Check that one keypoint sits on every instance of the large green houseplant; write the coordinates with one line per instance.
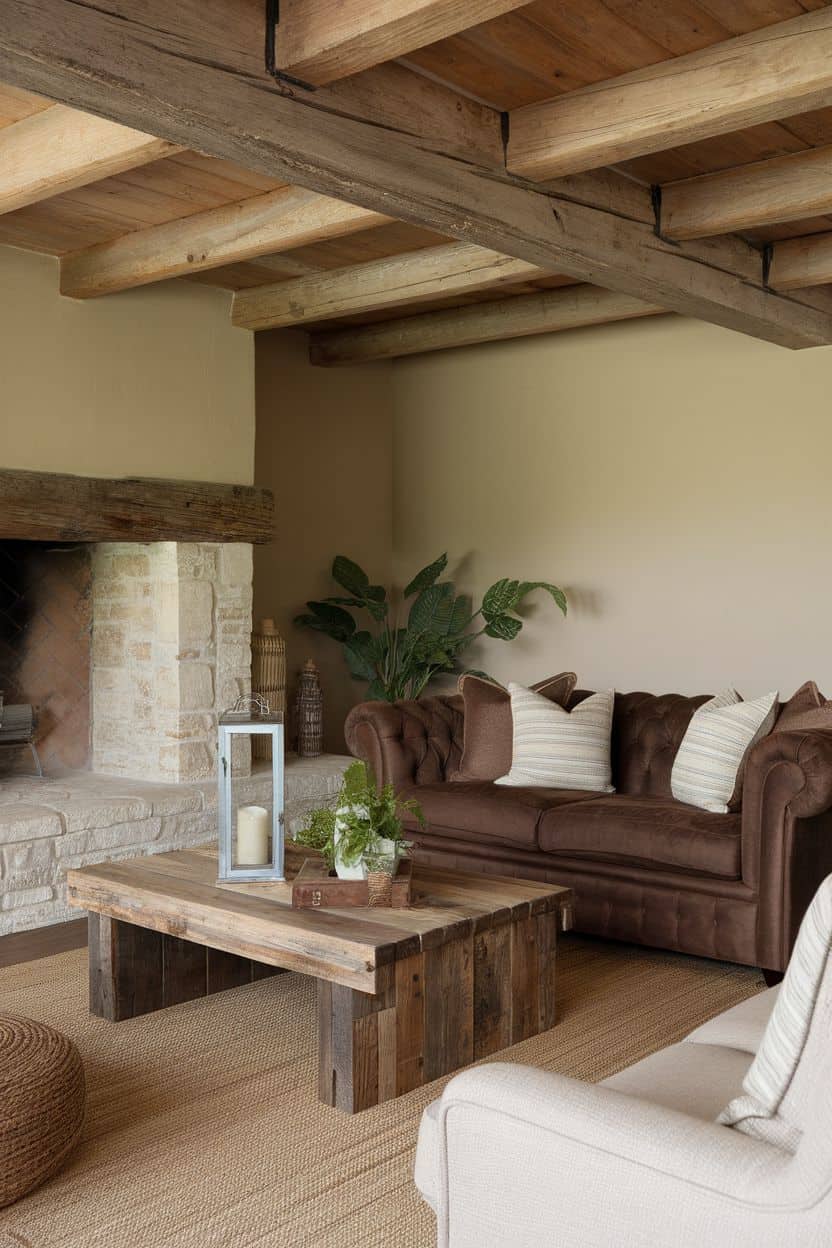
(406, 646)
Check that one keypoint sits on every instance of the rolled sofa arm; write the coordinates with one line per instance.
(406, 743)
(564, 1162)
(791, 768)
(374, 733)
(786, 833)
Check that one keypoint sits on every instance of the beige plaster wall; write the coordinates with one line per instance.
(152, 382)
(672, 476)
(324, 445)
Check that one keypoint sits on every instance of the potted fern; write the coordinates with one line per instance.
(363, 833)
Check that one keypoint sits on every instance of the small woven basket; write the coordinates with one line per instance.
(379, 888)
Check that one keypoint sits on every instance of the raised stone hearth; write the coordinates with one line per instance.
(48, 826)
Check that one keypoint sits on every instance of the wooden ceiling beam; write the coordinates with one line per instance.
(520, 316)
(319, 41)
(260, 226)
(784, 188)
(800, 262)
(175, 70)
(775, 72)
(393, 282)
(60, 148)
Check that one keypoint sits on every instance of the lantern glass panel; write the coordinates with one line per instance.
(250, 823)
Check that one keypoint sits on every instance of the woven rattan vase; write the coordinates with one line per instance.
(379, 888)
(42, 1099)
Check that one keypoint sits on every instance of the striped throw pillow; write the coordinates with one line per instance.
(781, 1087)
(714, 748)
(560, 749)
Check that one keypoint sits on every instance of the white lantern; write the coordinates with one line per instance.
(250, 834)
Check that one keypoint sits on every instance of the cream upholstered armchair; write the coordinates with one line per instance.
(516, 1157)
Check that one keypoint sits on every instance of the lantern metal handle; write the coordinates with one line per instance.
(245, 704)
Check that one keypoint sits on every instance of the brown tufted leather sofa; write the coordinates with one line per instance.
(644, 867)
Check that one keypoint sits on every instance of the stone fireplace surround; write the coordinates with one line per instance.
(170, 627)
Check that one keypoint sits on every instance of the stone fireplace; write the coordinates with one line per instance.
(125, 619)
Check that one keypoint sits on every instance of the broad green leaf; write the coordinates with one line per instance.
(432, 609)
(427, 576)
(360, 652)
(376, 607)
(526, 587)
(378, 692)
(505, 627)
(460, 614)
(350, 576)
(501, 597)
(334, 620)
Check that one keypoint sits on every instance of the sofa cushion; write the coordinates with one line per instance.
(708, 768)
(693, 1079)
(565, 749)
(645, 831)
(486, 752)
(807, 708)
(781, 1086)
(474, 810)
(741, 1027)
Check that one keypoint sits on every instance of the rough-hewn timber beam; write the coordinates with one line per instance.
(61, 148)
(801, 262)
(277, 221)
(516, 317)
(167, 71)
(779, 71)
(318, 41)
(394, 282)
(55, 507)
(784, 188)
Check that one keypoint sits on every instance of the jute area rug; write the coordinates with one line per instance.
(204, 1130)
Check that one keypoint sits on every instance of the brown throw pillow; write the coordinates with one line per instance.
(487, 747)
(807, 708)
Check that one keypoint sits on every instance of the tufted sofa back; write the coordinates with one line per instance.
(421, 741)
(647, 731)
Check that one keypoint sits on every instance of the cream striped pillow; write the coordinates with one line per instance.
(557, 748)
(781, 1084)
(714, 748)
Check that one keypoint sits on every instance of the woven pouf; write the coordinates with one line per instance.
(41, 1103)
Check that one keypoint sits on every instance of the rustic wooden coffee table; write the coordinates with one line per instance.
(404, 996)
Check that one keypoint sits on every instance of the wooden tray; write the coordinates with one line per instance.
(314, 888)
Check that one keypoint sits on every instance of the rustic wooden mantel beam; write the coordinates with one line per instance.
(56, 507)
(169, 71)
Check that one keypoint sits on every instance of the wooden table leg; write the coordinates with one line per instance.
(437, 1011)
(134, 970)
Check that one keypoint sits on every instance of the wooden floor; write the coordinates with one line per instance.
(42, 942)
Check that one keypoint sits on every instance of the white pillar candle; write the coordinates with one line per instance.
(253, 827)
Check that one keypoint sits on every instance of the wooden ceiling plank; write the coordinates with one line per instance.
(60, 148)
(800, 262)
(278, 221)
(518, 317)
(396, 281)
(785, 188)
(169, 71)
(775, 72)
(319, 41)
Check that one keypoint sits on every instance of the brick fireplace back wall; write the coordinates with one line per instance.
(45, 644)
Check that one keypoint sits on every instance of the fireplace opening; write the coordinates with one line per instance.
(45, 651)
